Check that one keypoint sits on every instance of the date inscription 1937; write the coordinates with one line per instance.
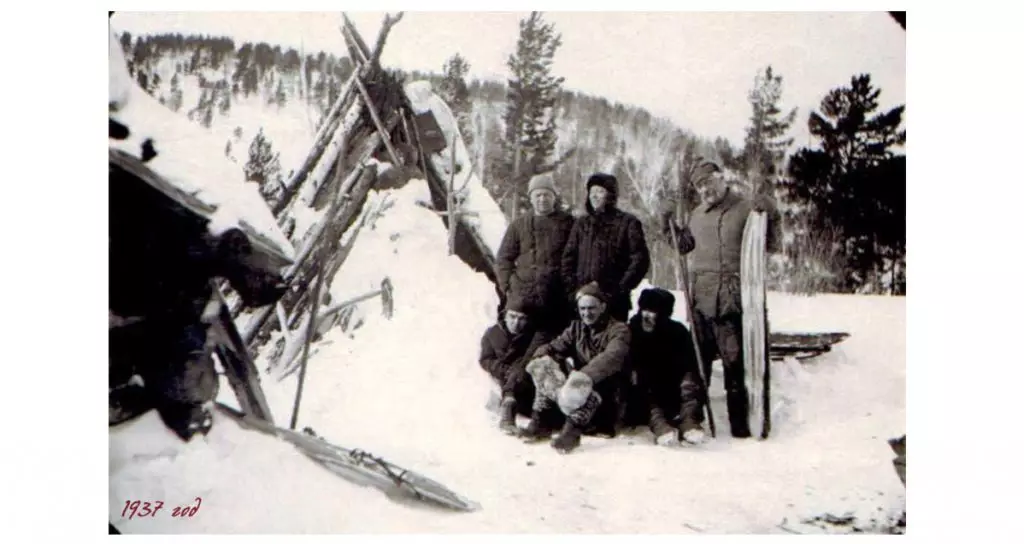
(143, 509)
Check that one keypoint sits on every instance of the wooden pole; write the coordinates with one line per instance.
(315, 306)
(453, 218)
(515, 184)
(377, 123)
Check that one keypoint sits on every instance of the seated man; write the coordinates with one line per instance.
(505, 349)
(668, 382)
(578, 374)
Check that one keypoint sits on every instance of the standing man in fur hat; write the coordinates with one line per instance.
(668, 383)
(530, 255)
(578, 374)
(505, 349)
(606, 246)
(713, 239)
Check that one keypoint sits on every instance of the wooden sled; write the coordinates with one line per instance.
(803, 345)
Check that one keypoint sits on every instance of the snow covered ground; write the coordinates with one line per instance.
(410, 390)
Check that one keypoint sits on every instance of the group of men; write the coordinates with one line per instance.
(563, 352)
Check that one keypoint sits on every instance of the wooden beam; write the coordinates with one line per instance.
(384, 136)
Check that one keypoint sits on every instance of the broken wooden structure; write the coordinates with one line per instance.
(371, 122)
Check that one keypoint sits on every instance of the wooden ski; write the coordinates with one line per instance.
(356, 465)
(755, 323)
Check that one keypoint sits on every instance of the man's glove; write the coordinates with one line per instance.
(763, 203)
(573, 394)
(669, 439)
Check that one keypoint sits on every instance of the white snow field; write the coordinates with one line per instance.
(410, 389)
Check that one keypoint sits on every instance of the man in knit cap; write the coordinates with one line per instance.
(713, 239)
(606, 246)
(505, 349)
(578, 374)
(529, 258)
(665, 362)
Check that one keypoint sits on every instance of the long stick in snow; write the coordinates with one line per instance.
(315, 306)
(453, 218)
(693, 334)
(378, 123)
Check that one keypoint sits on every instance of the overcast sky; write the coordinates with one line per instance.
(692, 67)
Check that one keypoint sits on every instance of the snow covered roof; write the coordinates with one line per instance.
(188, 157)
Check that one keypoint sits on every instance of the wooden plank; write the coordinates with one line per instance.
(239, 368)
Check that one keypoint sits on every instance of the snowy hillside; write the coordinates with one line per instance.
(410, 390)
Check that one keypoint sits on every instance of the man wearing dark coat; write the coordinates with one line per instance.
(505, 349)
(665, 363)
(529, 258)
(713, 239)
(578, 374)
(606, 246)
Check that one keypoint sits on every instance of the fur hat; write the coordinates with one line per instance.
(704, 169)
(657, 300)
(609, 183)
(542, 181)
(592, 289)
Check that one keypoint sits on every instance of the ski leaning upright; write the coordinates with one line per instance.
(755, 322)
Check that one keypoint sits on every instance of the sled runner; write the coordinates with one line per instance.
(755, 323)
(803, 345)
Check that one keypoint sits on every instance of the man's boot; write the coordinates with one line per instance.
(537, 429)
(540, 427)
(569, 438)
(507, 423)
(739, 408)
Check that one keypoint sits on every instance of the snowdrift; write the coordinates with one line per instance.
(188, 157)
(410, 390)
(489, 222)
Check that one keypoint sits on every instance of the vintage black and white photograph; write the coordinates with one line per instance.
(537, 272)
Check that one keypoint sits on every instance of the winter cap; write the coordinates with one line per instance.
(517, 303)
(657, 300)
(704, 169)
(607, 181)
(542, 181)
(592, 289)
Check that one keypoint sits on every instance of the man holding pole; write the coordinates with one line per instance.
(665, 362)
(712, 240)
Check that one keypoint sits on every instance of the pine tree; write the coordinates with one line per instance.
(455, 93)
(126, 42)
(530, 116)
(264, 167)
(856, 183)
(175, 99)
(280, 96)
(224, 102)
(765, 144)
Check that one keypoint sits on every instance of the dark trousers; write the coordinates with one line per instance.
(609, 413)
(523, 391)
(722, 337)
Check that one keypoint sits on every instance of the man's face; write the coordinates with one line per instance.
(648, 319)
(591, 309)
(515, 321)
(598, 197)
(711, 188)
(543, 201)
